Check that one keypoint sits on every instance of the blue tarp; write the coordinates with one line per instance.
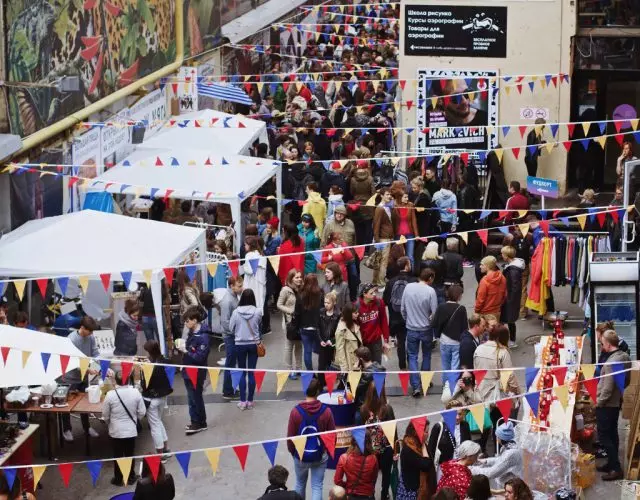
(101, 202)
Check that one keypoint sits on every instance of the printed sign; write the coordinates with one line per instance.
(152, 108)
(542, 187)
(455, 30)
(531, 113)
(86, 156)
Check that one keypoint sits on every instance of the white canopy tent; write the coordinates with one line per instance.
(20, 340)
(91, 243)
(223, 140)
(195, 175)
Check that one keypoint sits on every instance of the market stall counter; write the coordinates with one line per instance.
(343, 415)
(16, 448)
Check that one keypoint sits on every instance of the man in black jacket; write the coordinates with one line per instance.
(277, 489)
(470, 339)
(397, 325)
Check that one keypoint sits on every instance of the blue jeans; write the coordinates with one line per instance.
(150, 327)
(230, 362)
(309, 341)
(197, 411)
(317, 470)
(414, 340)
(409, 247)
(247, 357)
(450, 356)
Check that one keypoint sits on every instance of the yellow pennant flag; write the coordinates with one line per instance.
(281, 378)
(147, 371)
(425, 379)
(213, 455)
(464, 236)
(602, 140)
(420, 209)
(471, 95)
(478, 412)
(212, 268)
(524, 229)
(25, 358)
(582, 219)
(19, 285)
(389, 430)
(469, 210)
(371, 202)
(299, 442)
(147, 273)
(214, 374)
(549, 146)
(84, 366)
(634, 124)
(354, 379)
(543, 84)
(588, 371)
(275, 262)
(260, 86)
(38, 471)
(507, 89)
(562, 393)
(586, 126)
(434, 102)
(490, 130)
(124, 464)
(83, 281)
(402, 240)
(522, 213)
(499, 152)
(504, 378)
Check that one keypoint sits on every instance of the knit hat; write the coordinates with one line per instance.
(505, 432)
(274, 222)
(468, 449)
(341, 209)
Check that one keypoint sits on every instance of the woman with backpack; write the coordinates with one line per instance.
(307, 317)
(348, 339)
(357, 471)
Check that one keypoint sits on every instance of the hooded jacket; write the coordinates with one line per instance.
(362, 185)
(243, 320)
(317, 208)
(513, 275)
(373, 321)
(492, 292)
(311, 242)
(325, 421)
(196, 348)
(445, 199)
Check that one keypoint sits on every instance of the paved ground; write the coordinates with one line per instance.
(228, 425)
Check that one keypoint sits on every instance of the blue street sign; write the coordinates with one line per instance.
(542, 187)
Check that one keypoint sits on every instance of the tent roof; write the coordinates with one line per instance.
(231, 140)
(197, 175)
(21, 339)
(90, 242)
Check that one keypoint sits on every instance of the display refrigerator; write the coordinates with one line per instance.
(613, 296)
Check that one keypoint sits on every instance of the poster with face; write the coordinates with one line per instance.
(456, 107)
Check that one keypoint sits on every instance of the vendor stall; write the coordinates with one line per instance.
(16, 448)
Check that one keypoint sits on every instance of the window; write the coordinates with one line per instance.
(608, 13)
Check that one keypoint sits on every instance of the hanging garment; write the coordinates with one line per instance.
(540, 277)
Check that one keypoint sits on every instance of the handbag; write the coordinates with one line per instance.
(373, 261)
(260, 348)
(293, 332)
(134, 420)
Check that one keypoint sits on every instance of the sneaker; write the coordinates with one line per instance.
(242, 405)
(267, 332)
(166, 455)
(467, 263)
(68, 436)
(231, 397)
(522, 318)
(417, 393)
(294, 376)
(132, 479)
(512, 345)
(392, 341)
(250, 405)
(93, 433)
(222, 362)
(194, 429)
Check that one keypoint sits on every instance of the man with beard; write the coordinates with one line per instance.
(458, 110)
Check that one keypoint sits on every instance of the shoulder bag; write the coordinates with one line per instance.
(357, 482)
(262, 350)
(134, 420)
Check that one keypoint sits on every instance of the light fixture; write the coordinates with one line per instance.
(10, 144)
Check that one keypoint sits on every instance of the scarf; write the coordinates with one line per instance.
(127, 320)
(423, 492)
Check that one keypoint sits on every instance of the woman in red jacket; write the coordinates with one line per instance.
(357, 472)
(292, 244)
(336, 251)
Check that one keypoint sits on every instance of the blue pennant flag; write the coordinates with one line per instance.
(318, 256)
(183, 124)
(484, 214)
(95, 466)
(619, 375)
(451, 378)
(636, 136)
(565, 220)
(241, 195)
(174, 162)
(104, 366)
(554, 129)
(285, 201)
(505, 131)
(10, 475)
(543, 214)
(506, 78)
(378, 380)
(170, 371)
(183, 459)
(126, 163)
(532, 149)
(152, 192)
(602, 126)
(468, 81)
(123, 187)
(449, 418)
(530, 375)
(420, 103)
(482, 156)
(254, 265)
(305, 380)
(379, 246)
(191, 271)
(410, 130)
(126, 277)
(504, 229)
(428, 84)
(547, 79)
(531, 85)
(224, 161)
(236, 375)
(621, 213)
(270, 449)
(326, 165)
(592, 214)
(62, 283)
(358, 434)
(585, 143)
(3, 285)
(225, 122)
(533, 399)
(45, 360)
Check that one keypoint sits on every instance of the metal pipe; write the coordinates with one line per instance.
(73, 119)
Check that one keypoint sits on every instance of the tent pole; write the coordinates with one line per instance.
(279, 193)
(156, 293)
(236, 214)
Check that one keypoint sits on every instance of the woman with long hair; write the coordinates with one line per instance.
(479, 489)
(189, 297)
(160, 488)
(329, 317)
(309, 235)
(334, 282)
(291, 252)
(336, 251)
(126, 339)
(417, 471)
(255, 277)
(357, 471)
(245, 326)
(404, 219)
(516, 489)
(348, 339)
(307, 317)
(395, 254)
(287, 305)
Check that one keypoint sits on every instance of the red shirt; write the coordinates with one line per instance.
(455, 476)
(341, 258)
(517, 201)
(360, 478)
(290, 262)
(372, 319)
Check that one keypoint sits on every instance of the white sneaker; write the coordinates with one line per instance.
(93, 433)
(68, 436)
(512, 345)
(222, 361)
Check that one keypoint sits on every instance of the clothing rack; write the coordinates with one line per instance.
(579, 233)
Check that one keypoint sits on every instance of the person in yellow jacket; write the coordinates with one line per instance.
(315, 206)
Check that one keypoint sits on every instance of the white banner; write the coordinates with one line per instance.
(152, 108)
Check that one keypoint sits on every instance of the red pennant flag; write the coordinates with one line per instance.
(425, 130)
(483, 234)
(5, 354)
(519, 87)
(233, 266)
(523, 130)
(126, 367)
(617, 125)
(555, 214)
(302, 203)
(560, 372)
(619, 138)
(259, 376)
(42, 285)
(614, 216)
(443, 83)
(159, 162)
(479, 374)
(208, 162)
(65, 472)
(153, 461)
(402, 84)
(64, 362)
(567, 145)
(404, 382)
(241, 125)
(516, 153)
(360, 251)
(570, 128)
(544, 224)
(447, 100)
(502, 214)
(504, 405)
(554, 80)
(409, 104)
(106, 280)
(192, 373)
(167, 193)
(465, 158)
(601, 217)
(241, 452)
(285, 85)
(168, 274)
(330, 379)
(73, 180)
(591, 385)
(329, 441)
(419, 424)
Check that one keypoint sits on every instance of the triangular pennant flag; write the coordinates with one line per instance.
(126, 278)
(5, 353)
(478, 412)
(281, 379)
(38, 471)
(191, 271)
(64, 362)
(505, 375)
(146, 274)
(354, 379)
(524, 229)
(213, 455)
(505, 405)
(560, 372)
(104, 367)
(299, 443)
(378, 380)
(582, 220)
(236, 375)
(106, 280)
(259, 377)
(499, 153)
(233, 267)
(330, 379)
(25, 358)
(19, 286)
(404, 381)
(329, 441)
(212, 268)
(533, 398)
(464, 236)
(479, 375)
(419, 424)
(45, 360)
(168, 274)
(10, 476)
(562, 393)
(530, 374)
(147, 371)
(359, 434)
(591, 385)
(425, 380)
(214, 374)
(171, 373)
(42, 286)
(389, 430)
(451, 378)
(601, 217)
(483, 234)
(449, 418)
(183, 459)
(305, 380)
(95, 466)
(588, 370)
(153, 461)
(274, 260)
(65, 472)
(241, 452)
(619, 375)
(270, 448)
(126, 367)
